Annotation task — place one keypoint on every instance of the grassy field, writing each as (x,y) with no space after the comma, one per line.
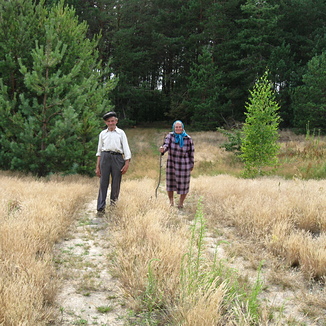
(181,268)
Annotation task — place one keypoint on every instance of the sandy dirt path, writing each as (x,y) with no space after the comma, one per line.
(89,294)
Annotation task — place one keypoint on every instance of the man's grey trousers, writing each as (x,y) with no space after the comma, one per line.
(110,165)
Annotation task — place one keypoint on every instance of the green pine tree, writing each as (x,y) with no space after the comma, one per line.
(309,99)
(51,120)
(260,145)
(202,103)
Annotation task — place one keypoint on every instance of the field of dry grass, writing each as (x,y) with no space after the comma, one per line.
(223,260)
(34,215)
(198,279)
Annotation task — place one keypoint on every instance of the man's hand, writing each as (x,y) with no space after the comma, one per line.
(125,167)
(98,172)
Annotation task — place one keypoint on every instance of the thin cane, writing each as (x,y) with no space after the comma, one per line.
(159,178)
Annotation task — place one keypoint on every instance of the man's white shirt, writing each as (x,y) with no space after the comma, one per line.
(115,141)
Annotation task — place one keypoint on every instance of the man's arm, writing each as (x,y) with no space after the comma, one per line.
(98,169)
(125,146)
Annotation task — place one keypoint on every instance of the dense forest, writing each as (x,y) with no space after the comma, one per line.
(196,59)
(64,63)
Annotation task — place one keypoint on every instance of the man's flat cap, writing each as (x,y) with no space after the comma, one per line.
(109,115)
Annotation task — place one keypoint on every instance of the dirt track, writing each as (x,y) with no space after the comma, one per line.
(89,294)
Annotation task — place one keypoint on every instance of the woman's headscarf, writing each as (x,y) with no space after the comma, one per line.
(179,137)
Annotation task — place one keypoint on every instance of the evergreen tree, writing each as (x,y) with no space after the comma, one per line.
(283,74)
(50,123)
(309,100)
(18,32)
(302,25)
(259,144)
(201,104)
(137,54)
(302,31)
(254,41)
(223,28)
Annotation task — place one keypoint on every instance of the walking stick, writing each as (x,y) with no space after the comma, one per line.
(159,178)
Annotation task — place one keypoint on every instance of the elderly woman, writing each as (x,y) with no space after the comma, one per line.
(180,162)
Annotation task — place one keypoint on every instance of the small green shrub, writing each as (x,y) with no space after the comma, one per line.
(235,140)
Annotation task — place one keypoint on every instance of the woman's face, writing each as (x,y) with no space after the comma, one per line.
(178,128)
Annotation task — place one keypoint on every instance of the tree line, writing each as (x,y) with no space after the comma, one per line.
(197,59)
(64,63)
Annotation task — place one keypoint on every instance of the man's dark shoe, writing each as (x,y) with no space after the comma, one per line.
(100,212)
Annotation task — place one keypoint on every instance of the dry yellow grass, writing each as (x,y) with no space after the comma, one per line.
(286,216)
(147,226)
(204,307)
(33,216)
(144,144)
(153,238)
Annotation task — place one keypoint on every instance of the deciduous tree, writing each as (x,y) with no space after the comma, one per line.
(259,145)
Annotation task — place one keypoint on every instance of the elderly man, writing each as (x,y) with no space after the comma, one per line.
(113,156)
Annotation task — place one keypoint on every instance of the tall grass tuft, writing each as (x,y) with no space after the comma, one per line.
(202,291)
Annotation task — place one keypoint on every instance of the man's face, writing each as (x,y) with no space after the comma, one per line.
(111,123)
